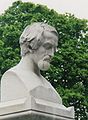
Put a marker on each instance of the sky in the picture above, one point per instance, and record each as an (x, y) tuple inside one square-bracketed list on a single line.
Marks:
[(77, 7)]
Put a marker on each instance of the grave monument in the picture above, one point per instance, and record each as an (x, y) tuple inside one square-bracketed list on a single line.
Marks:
[(25, 93)]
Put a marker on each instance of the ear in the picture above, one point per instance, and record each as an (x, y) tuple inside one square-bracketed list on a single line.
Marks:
[(29, 47)]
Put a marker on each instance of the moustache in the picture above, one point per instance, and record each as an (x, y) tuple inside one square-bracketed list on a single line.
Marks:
[(47, 58)]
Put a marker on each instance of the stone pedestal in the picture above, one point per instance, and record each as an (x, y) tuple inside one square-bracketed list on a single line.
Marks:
[(34, 109)]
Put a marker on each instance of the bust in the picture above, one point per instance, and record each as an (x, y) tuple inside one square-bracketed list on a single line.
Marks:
[(38, 44), (25, 93)]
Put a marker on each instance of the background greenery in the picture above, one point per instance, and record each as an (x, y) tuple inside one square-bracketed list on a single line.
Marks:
[(69, 69)]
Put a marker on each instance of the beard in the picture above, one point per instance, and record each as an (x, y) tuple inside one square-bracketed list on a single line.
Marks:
[(43, 65)]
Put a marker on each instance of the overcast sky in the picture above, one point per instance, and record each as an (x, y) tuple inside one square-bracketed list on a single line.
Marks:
[(77, 7)]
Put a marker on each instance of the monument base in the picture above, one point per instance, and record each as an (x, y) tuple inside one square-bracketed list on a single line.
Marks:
[(34, 109)]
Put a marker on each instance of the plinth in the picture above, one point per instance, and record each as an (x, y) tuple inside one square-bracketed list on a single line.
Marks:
[(34, 109)]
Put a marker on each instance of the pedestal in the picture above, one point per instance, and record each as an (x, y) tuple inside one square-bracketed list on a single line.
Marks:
[(34, 109)]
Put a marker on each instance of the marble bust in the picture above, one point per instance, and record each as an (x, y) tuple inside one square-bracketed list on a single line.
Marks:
[(25, 93), (38, 43)]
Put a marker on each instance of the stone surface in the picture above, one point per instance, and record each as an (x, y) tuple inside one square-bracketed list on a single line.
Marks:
[(25, 93), (33, 115), (38, 43), (34, 109)]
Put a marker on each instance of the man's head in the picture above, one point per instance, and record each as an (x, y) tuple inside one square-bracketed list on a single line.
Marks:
[(40, 40), (32, 36)]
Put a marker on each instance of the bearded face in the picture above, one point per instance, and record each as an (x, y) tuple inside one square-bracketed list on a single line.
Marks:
[(42, 56)]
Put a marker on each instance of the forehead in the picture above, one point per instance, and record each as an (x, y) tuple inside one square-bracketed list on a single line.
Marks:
[(50, 37)]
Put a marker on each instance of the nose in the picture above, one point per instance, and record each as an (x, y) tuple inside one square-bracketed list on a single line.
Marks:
[(51, 52)]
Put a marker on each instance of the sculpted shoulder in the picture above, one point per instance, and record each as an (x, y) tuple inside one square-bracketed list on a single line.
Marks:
[(17, 75)]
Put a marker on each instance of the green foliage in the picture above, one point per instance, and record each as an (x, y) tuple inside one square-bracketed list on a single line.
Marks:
[(69, 69)]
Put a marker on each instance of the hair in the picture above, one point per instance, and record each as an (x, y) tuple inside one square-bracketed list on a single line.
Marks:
[(32, 36)]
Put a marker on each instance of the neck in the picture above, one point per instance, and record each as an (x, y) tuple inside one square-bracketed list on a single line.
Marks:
[(28, 64)]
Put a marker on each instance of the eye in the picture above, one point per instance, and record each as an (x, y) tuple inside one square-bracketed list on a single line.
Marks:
[(47, 46)]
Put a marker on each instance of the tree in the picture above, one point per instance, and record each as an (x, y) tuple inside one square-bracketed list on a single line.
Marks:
[(69, 69)]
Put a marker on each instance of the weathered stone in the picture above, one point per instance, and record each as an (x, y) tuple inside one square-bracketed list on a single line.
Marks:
[(25, 93)]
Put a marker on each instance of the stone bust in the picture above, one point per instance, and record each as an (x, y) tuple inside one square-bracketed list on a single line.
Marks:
[(38, 43)]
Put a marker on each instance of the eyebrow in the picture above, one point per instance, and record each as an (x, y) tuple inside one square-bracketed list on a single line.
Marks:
[(55, 32), (53, 43)]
